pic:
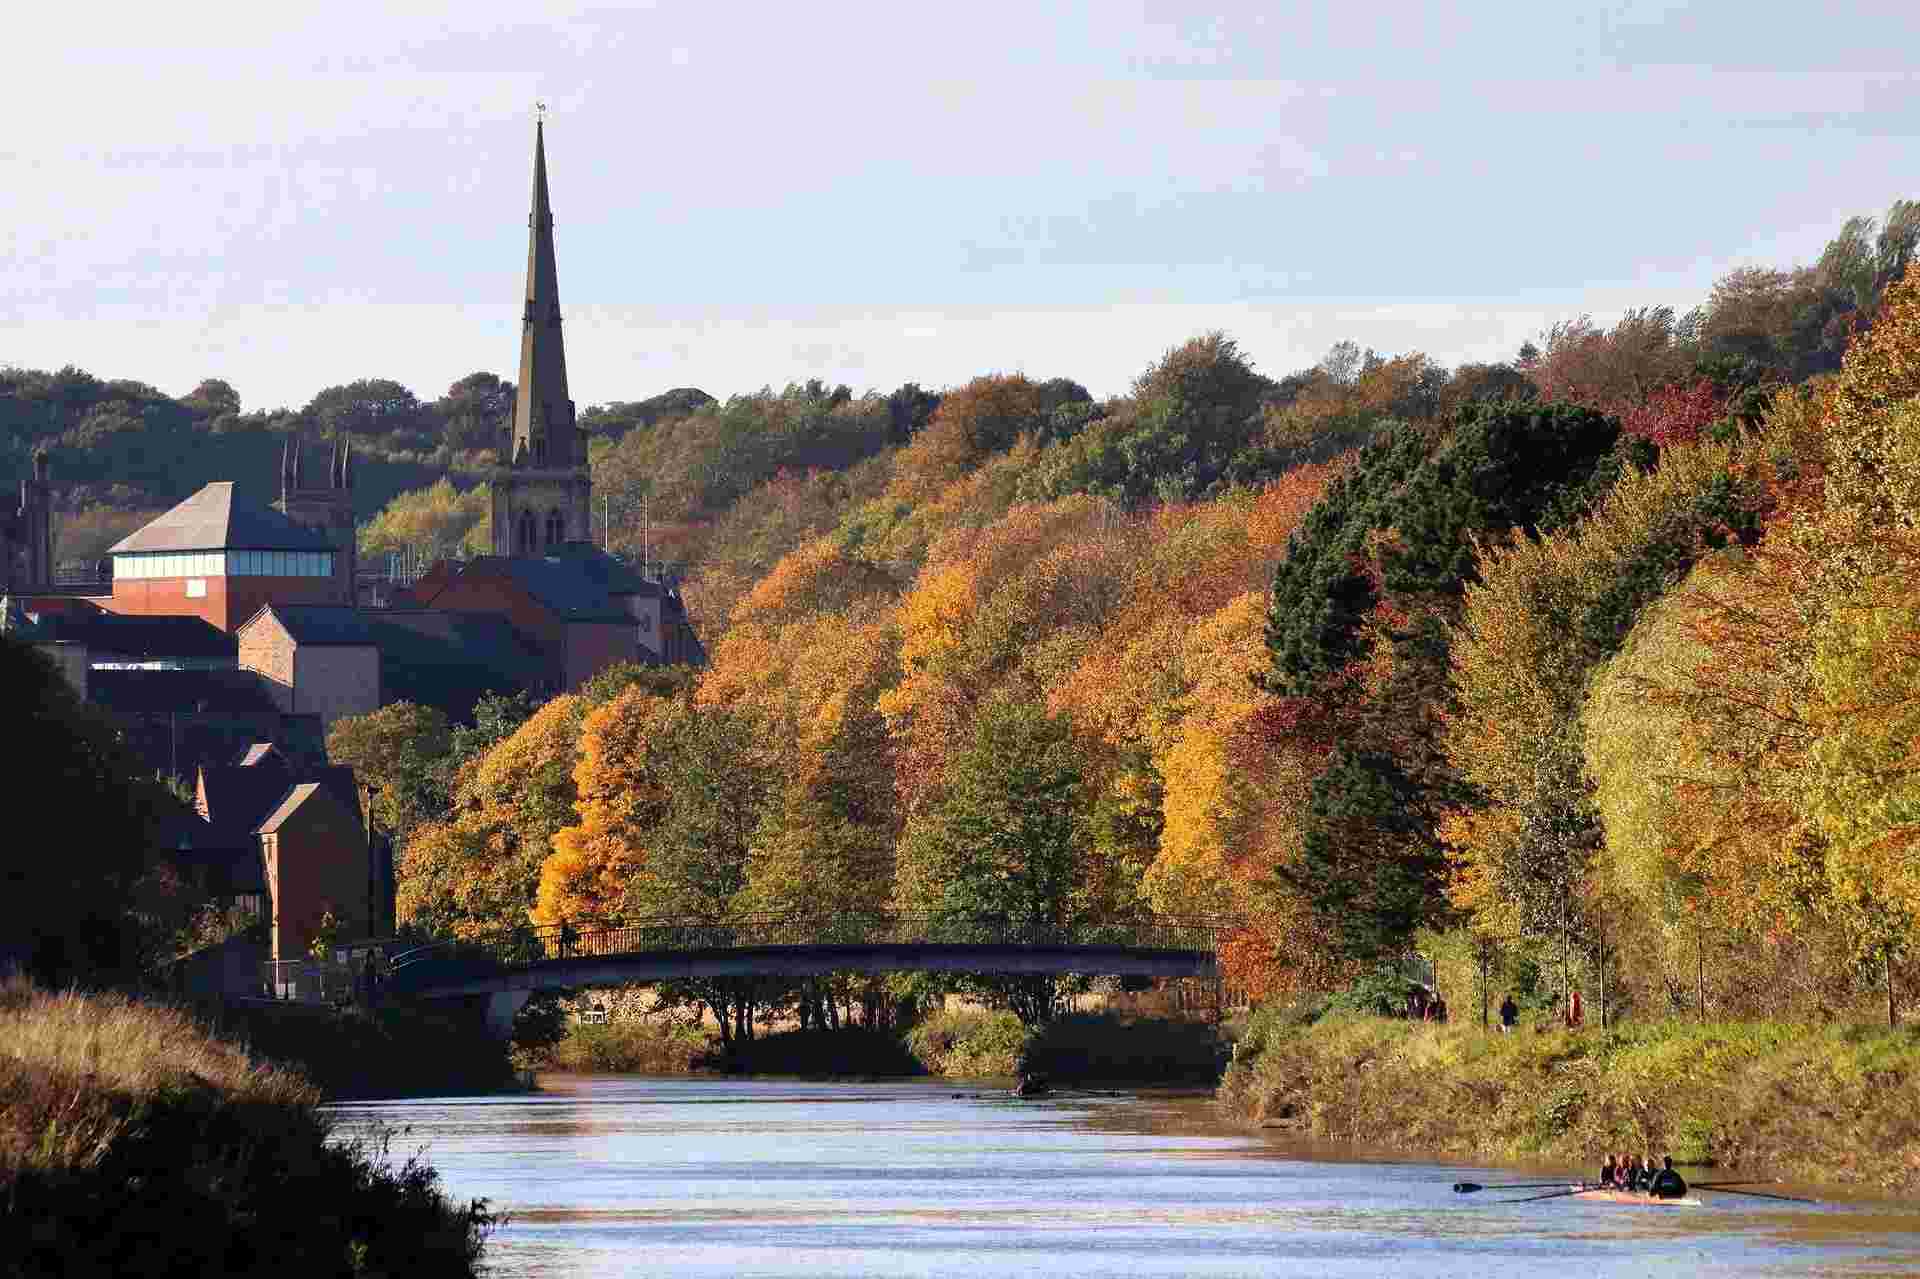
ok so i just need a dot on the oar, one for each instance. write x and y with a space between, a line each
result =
1472 1187
1727 1189
1577 1190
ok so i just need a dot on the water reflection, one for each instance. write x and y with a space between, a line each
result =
611 1176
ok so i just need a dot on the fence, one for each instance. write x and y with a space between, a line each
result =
588 939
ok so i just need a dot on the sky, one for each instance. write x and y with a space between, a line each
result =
290 196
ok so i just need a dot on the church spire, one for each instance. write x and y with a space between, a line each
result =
543 428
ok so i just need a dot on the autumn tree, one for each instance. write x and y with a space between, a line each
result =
400 749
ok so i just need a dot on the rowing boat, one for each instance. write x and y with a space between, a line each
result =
1601 1194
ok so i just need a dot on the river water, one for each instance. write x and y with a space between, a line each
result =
726 1177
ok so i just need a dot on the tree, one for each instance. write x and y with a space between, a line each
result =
213 398
66 887
401 749
1000 856
477 411
1369 863
439 522
478 869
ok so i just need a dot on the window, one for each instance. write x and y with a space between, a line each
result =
196 588
556 528
525 539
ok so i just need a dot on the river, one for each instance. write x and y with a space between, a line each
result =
761 1177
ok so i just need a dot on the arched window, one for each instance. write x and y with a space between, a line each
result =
556 528
524 541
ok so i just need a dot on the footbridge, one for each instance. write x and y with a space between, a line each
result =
510 966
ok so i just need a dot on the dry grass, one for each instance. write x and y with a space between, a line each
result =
133 1140
76 1070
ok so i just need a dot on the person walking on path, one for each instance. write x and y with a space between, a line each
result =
1575 1013
1509 1013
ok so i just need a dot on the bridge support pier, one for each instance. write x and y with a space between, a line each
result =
502 1007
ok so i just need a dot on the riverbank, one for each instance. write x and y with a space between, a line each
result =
133 1141
1081 1047
1831 1104
352 1053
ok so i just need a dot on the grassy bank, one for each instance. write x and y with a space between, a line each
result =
1829 1104
134 1142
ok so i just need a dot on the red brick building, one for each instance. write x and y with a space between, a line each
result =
221 557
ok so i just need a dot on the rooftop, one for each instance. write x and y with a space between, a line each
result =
134 636
217 518
131 691
319 623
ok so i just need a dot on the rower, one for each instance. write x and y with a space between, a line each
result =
1668 1184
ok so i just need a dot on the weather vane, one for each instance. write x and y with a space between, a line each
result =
540 112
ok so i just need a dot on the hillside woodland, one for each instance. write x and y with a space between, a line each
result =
1593 669
1588 666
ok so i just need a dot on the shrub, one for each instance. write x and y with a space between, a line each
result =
630 1047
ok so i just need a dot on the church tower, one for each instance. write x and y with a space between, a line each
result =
26 534
543 490
323 505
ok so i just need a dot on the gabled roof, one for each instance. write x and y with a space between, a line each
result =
260 753
295 799
217 517
318 624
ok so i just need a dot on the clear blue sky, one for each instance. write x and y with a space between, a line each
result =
290 196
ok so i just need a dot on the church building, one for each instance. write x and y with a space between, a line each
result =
269 592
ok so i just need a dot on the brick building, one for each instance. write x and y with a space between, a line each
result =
220 557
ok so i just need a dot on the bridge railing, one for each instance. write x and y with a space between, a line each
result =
593 938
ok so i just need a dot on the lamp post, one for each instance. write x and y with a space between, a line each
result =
373 868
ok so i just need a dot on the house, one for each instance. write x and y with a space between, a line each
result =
583 609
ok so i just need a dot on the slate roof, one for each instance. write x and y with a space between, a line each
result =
217 517
238 797
450 660
579 583
320 624
132 636
183 691
242 797
289 804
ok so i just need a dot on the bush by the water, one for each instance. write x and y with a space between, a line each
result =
850 1050
629 1047
134 1142
1081 1046
392 1051
969 1044
1803 1102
